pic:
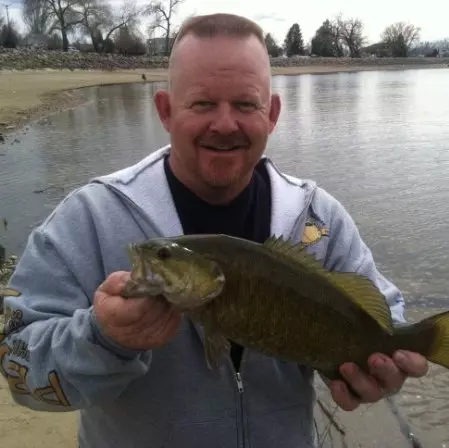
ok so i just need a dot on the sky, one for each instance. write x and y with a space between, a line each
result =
277 16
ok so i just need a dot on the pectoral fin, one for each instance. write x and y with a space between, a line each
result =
217 347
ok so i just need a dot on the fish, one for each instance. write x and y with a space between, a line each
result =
276 298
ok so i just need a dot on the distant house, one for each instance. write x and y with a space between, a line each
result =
156 46
377 50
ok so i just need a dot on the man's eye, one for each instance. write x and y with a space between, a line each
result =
202 104
245 106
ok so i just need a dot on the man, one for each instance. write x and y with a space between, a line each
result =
135 368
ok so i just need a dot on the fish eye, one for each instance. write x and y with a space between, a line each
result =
163 253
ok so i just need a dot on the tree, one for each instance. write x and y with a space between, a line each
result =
100 21
400 37
36 16
9 36
66 17
128 43
273 49
326 43
351 33
162 12
294 43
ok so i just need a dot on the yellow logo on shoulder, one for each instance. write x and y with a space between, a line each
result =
312 233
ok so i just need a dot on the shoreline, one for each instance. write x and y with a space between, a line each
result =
31 95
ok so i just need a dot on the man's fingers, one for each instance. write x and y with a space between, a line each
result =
342 397
166 327
364 385
389 375
412 364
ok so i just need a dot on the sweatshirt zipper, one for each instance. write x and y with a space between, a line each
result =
239 382
240 411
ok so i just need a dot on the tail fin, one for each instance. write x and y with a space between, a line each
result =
439 352
430 337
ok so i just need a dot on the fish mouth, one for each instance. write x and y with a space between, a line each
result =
151 285
154 279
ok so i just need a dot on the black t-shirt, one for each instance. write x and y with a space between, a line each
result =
247 216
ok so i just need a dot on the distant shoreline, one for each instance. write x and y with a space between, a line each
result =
28 95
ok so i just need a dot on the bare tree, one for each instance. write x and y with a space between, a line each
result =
100 21
36 16
400 37
95 14
351 33
66 17
2 20
162 12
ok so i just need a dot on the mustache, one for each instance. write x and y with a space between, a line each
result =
228 140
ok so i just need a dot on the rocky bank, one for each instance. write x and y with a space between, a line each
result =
27 59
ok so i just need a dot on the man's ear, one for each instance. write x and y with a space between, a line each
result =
162 101
275 111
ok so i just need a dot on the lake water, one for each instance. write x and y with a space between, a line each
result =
378 141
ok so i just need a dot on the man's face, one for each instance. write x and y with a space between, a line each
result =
219 112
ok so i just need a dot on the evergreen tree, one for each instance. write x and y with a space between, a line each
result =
273 49
324 43
294 43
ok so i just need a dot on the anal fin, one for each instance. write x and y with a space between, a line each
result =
217 347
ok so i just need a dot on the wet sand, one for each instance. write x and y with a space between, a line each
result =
29 95
423 402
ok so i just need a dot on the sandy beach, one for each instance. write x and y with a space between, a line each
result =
32 94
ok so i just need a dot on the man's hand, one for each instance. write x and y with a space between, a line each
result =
138 323
387 375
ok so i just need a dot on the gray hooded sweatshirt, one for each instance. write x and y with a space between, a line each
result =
56 359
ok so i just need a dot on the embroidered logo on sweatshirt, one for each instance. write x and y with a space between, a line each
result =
313 232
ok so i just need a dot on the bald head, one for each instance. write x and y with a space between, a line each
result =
200 33
221 54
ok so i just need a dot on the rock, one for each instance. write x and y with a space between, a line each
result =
26 59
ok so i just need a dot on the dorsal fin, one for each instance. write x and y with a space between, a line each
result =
294 252
364 293
357 288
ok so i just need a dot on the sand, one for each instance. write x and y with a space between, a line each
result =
28 95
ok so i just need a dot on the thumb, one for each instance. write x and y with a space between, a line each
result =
114 283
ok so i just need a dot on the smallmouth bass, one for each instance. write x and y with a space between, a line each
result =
277 299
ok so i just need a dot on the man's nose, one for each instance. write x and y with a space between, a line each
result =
224 120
